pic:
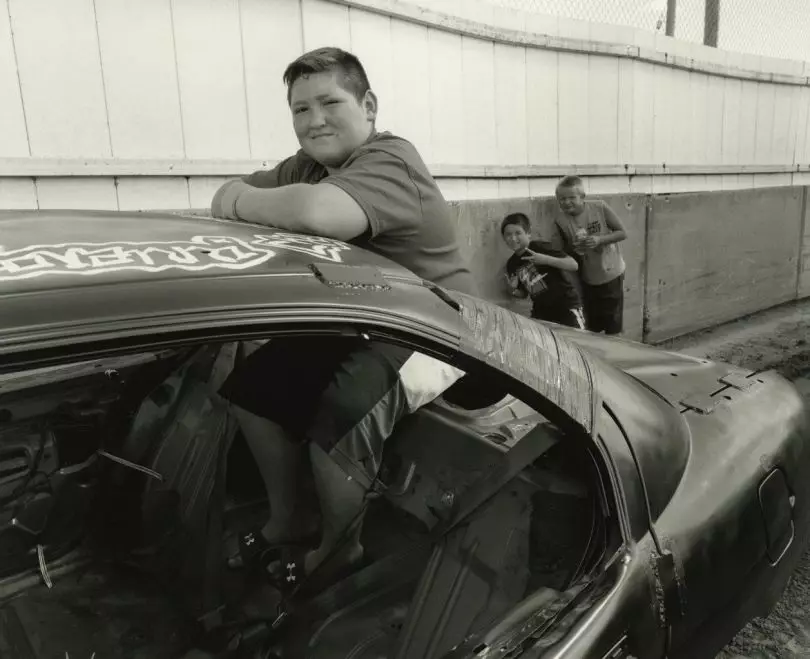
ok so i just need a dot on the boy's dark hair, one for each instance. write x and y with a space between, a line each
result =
354 78
516 218
571 182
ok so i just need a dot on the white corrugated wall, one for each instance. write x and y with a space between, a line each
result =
151 104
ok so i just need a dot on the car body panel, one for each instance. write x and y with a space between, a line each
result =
659 437
621 624
736 426
686 442
715 525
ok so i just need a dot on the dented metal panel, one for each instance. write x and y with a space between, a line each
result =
532 353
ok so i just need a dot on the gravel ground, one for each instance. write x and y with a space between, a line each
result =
778 339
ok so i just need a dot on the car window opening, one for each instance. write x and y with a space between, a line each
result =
545 533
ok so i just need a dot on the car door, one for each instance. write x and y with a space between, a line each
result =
621 617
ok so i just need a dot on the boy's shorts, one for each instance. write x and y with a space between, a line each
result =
345 395
604 306
570 317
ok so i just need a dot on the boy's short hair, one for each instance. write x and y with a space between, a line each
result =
330 59
571 182
520 219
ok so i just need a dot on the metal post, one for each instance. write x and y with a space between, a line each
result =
712 23
671 6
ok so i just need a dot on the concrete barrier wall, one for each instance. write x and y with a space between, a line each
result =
804 261
715 257
693 260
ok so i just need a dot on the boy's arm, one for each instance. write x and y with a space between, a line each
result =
556 259
617 232
278 199
562 236
284 173
321 210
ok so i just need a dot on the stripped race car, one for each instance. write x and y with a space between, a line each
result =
571 496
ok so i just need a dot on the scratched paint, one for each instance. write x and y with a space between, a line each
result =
198 253
532 353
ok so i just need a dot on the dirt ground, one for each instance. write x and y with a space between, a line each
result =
777 339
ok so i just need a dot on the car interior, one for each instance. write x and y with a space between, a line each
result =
122 478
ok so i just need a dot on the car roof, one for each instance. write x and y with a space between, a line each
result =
159 260
61 271
46 250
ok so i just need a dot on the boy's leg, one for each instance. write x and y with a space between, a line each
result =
613 309
575 317
344 401
273 394
605 312
590 297
278 458
372 389
341 499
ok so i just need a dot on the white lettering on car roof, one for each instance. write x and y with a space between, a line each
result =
198 253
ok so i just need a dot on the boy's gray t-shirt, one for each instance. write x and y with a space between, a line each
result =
600 265
408 217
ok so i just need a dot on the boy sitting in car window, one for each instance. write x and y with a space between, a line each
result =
350 182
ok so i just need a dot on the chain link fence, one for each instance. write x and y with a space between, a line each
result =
643 14
775 28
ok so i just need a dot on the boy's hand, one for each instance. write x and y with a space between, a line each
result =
513 282
537 259
590 242
514 285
